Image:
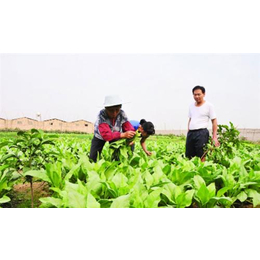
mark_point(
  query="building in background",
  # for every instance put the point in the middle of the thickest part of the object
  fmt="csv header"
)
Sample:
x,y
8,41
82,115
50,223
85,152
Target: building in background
x,y
80,126
22,123
54,124
2,123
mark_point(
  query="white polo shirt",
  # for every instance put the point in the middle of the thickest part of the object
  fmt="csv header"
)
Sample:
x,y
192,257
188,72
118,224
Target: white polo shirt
x,y
201,115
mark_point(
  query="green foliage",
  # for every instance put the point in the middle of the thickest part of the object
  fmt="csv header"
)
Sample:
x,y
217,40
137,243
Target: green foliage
x,y
27,150
121,149
228,137
7,179
165,179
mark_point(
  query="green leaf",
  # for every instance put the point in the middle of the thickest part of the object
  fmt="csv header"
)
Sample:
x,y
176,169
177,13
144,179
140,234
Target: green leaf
x,y
73,171
105,203
91,202
41,174
168,190
123,152
33,130
76,200
242,196
121,202
212,189
4,199
222,191
4,158
93,182
185,199
20,133
148,179
120,180
110,192
48,142
50,201
15,175
54,173
177,191
255,196
203,195
153,199
111,170
2,144
198,182
222,199
3,167
158,174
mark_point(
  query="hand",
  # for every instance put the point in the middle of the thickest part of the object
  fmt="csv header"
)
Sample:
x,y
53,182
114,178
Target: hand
x,y
131,143
128,134
216,142
148,153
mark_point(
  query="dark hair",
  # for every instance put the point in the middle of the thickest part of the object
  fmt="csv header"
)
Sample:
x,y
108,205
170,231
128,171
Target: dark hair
x,y
147,126
199,87
114,106
142,121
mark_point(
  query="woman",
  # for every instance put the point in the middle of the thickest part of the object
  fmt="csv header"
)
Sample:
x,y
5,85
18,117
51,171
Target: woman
x,y
111,125
146,129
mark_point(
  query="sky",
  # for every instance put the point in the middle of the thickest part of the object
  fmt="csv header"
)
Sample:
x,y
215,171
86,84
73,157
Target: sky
x,y
156,87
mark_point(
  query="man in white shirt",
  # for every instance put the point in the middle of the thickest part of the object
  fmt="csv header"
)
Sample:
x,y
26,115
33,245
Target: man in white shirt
x,y
200,113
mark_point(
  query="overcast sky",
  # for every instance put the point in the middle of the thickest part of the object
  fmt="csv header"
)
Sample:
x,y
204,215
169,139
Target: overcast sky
x,y
157,86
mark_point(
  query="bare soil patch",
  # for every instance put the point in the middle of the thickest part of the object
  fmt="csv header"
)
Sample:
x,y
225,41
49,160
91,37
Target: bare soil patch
x,y
21,195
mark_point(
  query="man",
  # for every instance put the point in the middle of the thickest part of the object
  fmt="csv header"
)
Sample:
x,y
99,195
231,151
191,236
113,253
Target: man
x,y
111,125
200,113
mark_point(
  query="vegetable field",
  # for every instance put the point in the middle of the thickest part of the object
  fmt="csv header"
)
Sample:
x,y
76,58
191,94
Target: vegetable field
x,y
230,177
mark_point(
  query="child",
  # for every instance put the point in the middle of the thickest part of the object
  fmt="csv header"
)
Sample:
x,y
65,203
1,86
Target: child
x,y
146,129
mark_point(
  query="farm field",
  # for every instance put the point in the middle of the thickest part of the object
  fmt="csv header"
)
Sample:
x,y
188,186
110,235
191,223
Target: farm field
x,y
53,170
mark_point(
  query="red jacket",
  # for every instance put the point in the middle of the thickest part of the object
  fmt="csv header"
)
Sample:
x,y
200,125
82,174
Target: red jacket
x,y
108,135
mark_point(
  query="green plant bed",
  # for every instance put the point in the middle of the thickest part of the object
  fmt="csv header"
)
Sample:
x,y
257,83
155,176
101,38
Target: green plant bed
x,y
229,178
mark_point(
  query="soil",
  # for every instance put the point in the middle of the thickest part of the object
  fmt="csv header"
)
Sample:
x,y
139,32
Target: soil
x,y
21,195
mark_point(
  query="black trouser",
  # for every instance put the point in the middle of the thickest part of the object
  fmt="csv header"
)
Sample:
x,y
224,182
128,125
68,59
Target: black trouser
x,y
196,142
96,147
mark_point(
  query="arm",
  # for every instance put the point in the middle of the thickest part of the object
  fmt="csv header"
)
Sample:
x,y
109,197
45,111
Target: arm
x,y
108,135
214,131
144,146
128,130
189,124
127,126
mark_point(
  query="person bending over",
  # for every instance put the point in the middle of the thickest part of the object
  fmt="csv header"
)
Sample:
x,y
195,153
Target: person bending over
x,y
111,125
146,129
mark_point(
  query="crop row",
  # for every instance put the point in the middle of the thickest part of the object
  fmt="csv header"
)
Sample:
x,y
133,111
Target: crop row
x,y
166,179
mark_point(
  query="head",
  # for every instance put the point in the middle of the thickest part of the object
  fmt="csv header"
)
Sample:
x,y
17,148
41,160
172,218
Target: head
x,y
198,94
113,111
146,128
112,106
